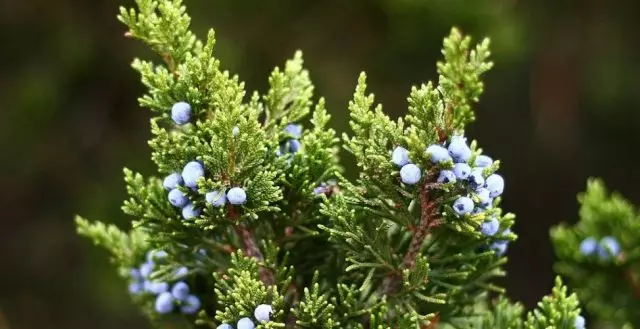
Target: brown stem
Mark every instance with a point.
(428, 220)
(250, 247)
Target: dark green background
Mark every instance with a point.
(560, 105)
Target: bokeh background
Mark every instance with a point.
(560, 105)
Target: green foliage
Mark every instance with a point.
(609, 288)
(323, 251)
(558, 310)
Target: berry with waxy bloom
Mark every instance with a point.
(216, 198)
(410, 174)
(458, 149)
(400, 156)
(463, 205)
(172, 181)
(191, 305)
(462, 170)
(490, 227)
(446, 176)
(245, 323)
(438, 153)
(237, 196)
(483, 161)
(164, 303)
(191, 173)
(177, 198)
(181, 112)
(190, 211)
(495, 185)
(588, 246)
(263, 313)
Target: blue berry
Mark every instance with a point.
(294, 145)
(146, 269)
(182, 272)
(181, 113)
(495, 185)
(156, 287)
(224, 326)
(459, 150)
(191, 305)
(134, 273)
(172, 181)
(485, 197)
(293, 130)
(500, 247)
(320, 189)
(237, 195)
(235, 131)
(177, 198)
(475, 178)
(245, 323)
(490, 227)
(400, 156)
(588, 246)
(609, 246)
(463, 205)
(190, 211)
(164, 303)
(447, 176)
(462, 170)
(216, 198)
(438, 153)
(580, 323)
(180, 291)
(410, 174)
(263, 313)
(135, 288)
(155, 255)
(191, 173)
(483, 161)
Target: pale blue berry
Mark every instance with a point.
(294, 145)
(410, 174)
(156, 287)
(245, 323)
(588, 246)
(180, 290)
(495, 185)
(500, 247)
(463, 205)
(172, 181)
(155, 255)
(320, 189)
(235, 131)
(263, 313)
(216, 198)
(438, 153)
(191, 305)
(293, 130)
(485, 197)
(135, 288)
(446, 176)
(191, 173)
(459, 150)
(164, 303)
(237, 196)
(483, 161)
(580, 323)
(400, 156)
(146, 269)
(475, 178)
(462, 170)
(609, 246)
(224, 326)
(181, 113)
(134, 273)
(177, 198)
(190, 211)
(181, 272)
(490, 227)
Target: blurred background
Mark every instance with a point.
(560, 105)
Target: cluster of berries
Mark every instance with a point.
(191, 172)
(472, 179)
(179, 296)
(291, 145)
(605, 248)
(166, 296)
(262, 313)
